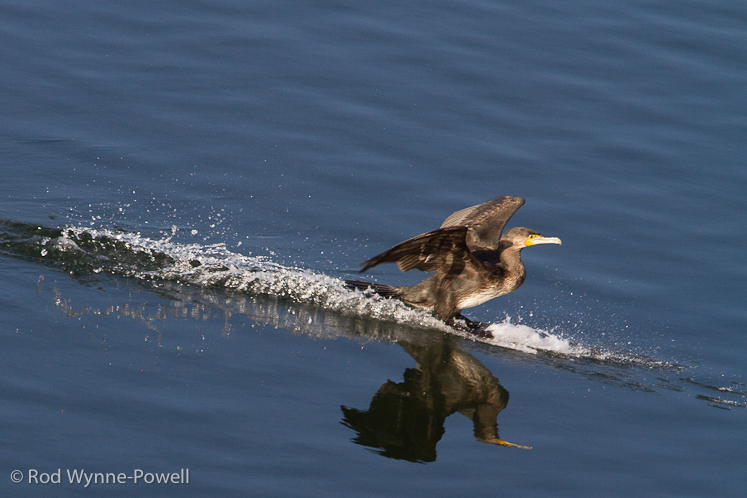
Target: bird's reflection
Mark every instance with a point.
(405, 420)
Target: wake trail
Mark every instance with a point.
(215, 266)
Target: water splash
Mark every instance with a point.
(527, 339)
(215, 266)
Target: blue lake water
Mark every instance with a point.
(185, 184)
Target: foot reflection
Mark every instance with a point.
(406, 420)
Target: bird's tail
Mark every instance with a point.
(374, 288)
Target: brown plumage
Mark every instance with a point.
(472, 261)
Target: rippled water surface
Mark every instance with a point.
(186, 185)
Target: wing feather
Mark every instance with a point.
(427, 252)
(485, 221)
(476, 228)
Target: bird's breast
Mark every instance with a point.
(476, 298)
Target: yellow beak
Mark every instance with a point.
(535, 240)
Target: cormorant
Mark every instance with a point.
(472, 261)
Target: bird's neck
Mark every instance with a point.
(512, 265)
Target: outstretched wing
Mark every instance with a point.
(427, 252)
(485, 221)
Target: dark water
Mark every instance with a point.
(184, 184)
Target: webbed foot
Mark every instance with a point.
(461, 322)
